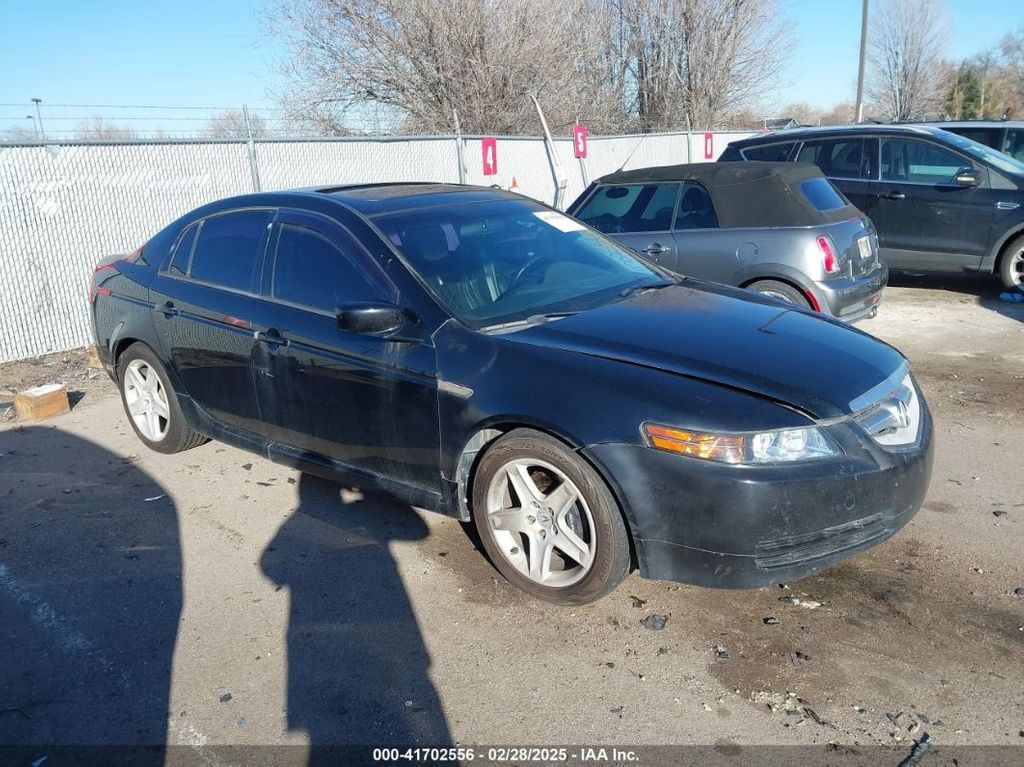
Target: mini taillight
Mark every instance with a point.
(828, 255)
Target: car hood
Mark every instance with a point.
(708, 332)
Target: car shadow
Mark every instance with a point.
(90, 599)
(358, 668)
(985, 288)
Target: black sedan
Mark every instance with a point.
(476, 352)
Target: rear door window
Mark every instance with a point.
(987, 136)
(696, 210)
(919, 162)
(315, 266)
(837, 158)
(630, 208)
(1013, 144)
(822, 195)
(769, 152)
(228, 248)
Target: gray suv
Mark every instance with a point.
(780, 229)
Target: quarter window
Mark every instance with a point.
(769, 152)
(837, 158)
(182, 251)
(696, 211)
(314, 269)
(1013, 144)
(919, 162)
(228, 248)
(630, 208)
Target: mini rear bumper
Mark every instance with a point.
(853, 298)
(722, 526)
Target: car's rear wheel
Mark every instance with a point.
(151, 404)
(1011, 266)
(548, 521)
(780, 291)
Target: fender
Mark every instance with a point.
(988, 263)
(778, 272)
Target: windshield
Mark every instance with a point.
(505, 261)
(987, 154)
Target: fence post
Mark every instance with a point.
(459, 149)
(254, 170)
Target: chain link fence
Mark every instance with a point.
(63, 206)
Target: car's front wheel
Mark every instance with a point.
(1011, 266)
(548, 521)
(151, 404)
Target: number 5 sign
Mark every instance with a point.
(489, 146)
(579, 141)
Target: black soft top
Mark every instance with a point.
(753, 194)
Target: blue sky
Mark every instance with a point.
(218, 53)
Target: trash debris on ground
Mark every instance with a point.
(720, 652)
(999, 513)
(225, 697)
(156, 497)
(637, 601)
(1019, 591)
(798, 658)
(810, 604)
(918, 751)
(1013, 297)
(771, 621)
(247, 466)
(654, 622)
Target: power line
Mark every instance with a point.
(137, 106)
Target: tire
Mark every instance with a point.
(780, 291)
(1011, 265)
(527, 540)
(145, 388)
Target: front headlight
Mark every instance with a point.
(766, 447)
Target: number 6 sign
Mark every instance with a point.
(489, 146)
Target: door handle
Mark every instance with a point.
(169, 309)
(654, 249)
(271, 337)
(893, 195)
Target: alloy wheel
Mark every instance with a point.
(541, 522)
(146, 399)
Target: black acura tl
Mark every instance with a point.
(475, 352)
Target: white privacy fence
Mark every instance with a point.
(64, 206)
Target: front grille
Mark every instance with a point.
(792, 550)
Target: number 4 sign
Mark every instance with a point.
(489, 146)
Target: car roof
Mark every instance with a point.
(375, 199)
(977, 123)
(712, 174)
(800, 134)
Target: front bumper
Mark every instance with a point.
(709, 524)
(853, 298)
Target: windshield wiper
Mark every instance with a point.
(640, 288)
(533, 319)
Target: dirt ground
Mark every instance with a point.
(213, 597)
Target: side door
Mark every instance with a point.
(849, 163)
(364, 401)
(203, 303)
(924, 218)
(702, 249)
(637, 215)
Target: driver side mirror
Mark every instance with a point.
(372, 319)
(966, 177)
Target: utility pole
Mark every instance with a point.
(860, 69)
(459, 149)
(35, 128)
(42, 133)
(254, 170)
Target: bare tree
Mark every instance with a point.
(907, 77)
(231, 124)
(1011, 76)
(424, 58)
(100, 129)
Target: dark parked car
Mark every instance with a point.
(1003, 135)
(938, 200)
(476, 352)
(780, 229)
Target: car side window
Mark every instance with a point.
(837, 158)
(696, 210)
(1013, 144)
(630, 208)
(228, 248)
(183, 251)
(315, 268)
(769, 152)
(919, 162)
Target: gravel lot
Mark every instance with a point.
(213, 597)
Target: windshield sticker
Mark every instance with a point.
(560, 222)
